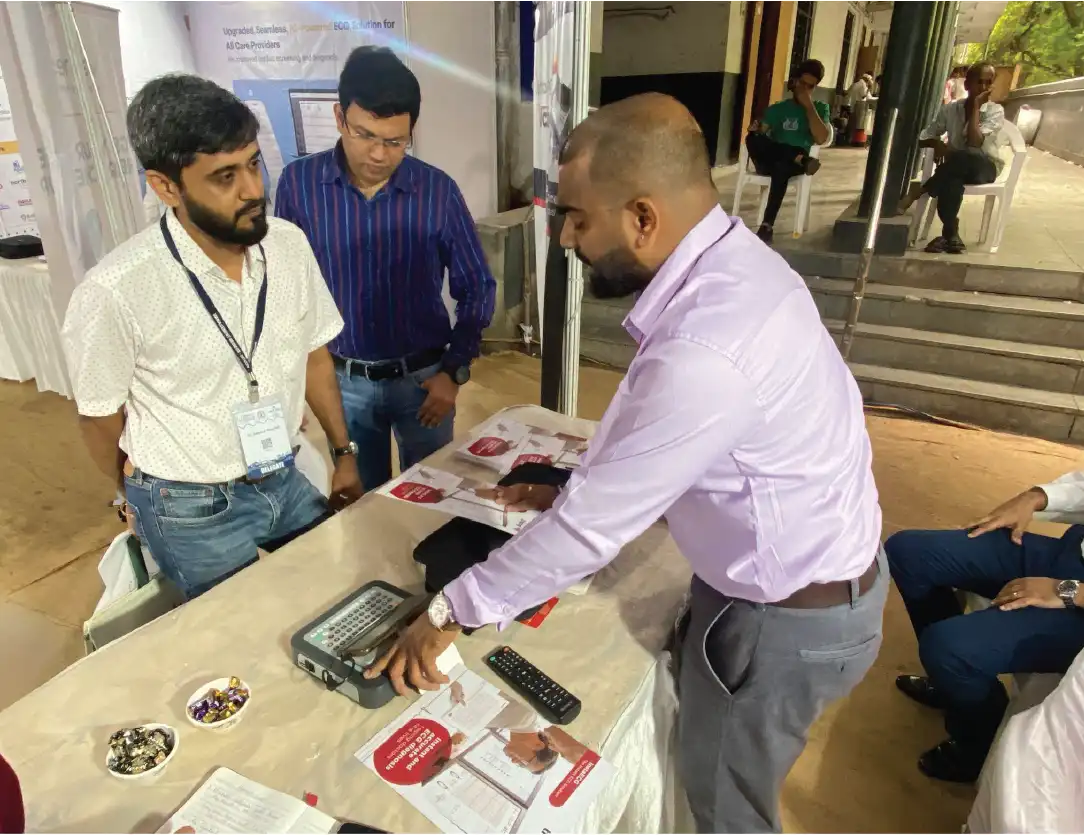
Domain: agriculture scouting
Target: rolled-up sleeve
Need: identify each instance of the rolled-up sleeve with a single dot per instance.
(991, 118)
(100, 342)
(683, 404)
(469, 280)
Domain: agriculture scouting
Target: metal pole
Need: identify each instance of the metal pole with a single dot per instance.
(581, 83)
(869, 244)
(505, 54)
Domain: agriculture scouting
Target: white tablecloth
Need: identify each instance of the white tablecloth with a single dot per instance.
(606, 647)
(29, 331)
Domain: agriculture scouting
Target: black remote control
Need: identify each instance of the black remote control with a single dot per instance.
(542, 693)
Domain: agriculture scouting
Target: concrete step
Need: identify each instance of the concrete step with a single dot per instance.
(985, 315)
(941, 272)
(1053, 415)
(974, 358)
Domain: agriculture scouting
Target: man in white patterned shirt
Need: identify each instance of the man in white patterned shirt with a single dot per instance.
(1035, 625)
(194, 346)
(970, 156)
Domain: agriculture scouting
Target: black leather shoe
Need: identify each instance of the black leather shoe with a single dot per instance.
(920, 690)
(949, 761)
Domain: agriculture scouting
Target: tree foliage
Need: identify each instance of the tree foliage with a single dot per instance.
(1046, 39)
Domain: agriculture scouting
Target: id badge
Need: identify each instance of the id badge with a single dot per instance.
(265, 440)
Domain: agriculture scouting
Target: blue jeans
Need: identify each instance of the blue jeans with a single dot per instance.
(376, 409)
(200, 534)
(964, 654)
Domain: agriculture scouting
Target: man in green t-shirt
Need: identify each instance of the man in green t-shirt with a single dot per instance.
(779, 145)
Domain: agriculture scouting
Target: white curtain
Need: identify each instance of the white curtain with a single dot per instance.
(61, 64)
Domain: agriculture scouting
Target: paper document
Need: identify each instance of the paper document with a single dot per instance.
(457, 496)
(503, 444)
(473, 759)
(228, 802)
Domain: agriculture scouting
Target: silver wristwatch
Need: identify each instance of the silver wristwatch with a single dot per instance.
(440, 612)
(1067, 590)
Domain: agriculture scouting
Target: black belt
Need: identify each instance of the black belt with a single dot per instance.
(389, 369)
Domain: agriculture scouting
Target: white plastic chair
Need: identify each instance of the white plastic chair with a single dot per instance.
(999, 192)
(748, 177)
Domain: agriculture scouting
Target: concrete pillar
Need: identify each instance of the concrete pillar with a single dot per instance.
(904, 65)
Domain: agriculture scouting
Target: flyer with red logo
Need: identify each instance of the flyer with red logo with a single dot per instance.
(455, 495)
(503, 444)
(473, 759)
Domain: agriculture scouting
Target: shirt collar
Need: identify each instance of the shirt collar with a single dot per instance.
(672, 274)
(334, 170)
(195, 258)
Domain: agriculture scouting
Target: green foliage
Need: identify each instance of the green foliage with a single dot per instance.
(1046, 39)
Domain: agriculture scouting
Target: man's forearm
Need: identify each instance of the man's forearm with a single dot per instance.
(974, 135)
(324, 398)
(102, 437)
(817, 128)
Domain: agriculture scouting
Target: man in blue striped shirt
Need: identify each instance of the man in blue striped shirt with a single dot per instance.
(385, 227)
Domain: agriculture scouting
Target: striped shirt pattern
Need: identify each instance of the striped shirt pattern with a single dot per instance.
(384, 259)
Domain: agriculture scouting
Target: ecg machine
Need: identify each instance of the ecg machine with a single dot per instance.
(340, 644)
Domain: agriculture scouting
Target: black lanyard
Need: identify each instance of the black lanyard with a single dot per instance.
(216, 317)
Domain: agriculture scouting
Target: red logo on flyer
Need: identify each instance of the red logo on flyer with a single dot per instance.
(411, 491)
(532, 458)
(413, 753)
(573, 779)
(489, 447)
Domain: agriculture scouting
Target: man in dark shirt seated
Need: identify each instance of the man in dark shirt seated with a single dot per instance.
(779, 145)
(386, 227)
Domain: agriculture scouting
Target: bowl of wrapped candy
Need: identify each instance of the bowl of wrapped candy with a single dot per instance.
(144, 751)
(219, 704)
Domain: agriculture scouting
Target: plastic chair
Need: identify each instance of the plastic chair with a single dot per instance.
(999, 192)
(748, 177)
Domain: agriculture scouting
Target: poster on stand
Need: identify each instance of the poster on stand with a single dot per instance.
(283, 60)
(553, 57)
(16, 205)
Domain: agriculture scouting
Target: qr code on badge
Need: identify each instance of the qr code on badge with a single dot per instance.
(267, 444)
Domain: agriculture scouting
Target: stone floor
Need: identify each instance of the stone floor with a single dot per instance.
(858, 772)
(1042, 231)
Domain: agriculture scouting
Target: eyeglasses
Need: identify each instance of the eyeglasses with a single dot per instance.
(369, 138)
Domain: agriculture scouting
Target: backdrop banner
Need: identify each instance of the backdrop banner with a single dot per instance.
(16, 205)
(284, 59)
(60, 67)
(553, 56)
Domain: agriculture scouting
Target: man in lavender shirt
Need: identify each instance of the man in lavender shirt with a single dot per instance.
(740, 424)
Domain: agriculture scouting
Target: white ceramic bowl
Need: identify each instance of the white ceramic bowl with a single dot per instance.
(151, 772)
(222, 724)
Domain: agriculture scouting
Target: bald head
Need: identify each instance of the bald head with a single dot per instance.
(646, 145)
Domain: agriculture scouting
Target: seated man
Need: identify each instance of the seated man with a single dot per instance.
(779, 145)
(970, 157)
(1033, 625)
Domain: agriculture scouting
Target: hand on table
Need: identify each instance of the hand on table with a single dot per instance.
(1041, 592)
(346, 486)
(440, 401)
(520, 497)
(1014, 514)
(412, 659)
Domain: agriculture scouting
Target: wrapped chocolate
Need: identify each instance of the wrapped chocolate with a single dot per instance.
(218, 704)
(135, 751)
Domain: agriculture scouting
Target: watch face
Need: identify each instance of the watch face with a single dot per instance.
(440, 610)
(461, 375)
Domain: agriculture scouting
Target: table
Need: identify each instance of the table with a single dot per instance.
(30, 347)
(605, 646)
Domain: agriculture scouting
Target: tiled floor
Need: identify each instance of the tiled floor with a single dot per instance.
(858, 772)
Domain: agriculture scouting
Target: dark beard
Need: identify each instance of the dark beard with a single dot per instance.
(617, 274)
(227, 231)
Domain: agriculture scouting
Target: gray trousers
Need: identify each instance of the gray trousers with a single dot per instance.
(752, 680)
